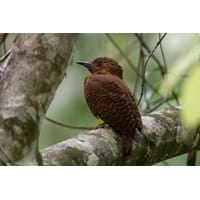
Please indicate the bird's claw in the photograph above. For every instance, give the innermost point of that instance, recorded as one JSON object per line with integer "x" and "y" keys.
{"x": 103, "y": 125}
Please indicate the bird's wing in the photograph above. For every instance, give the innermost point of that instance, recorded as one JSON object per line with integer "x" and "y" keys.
{"x": 136, "y": 114}
{"x": 110, "y": 99}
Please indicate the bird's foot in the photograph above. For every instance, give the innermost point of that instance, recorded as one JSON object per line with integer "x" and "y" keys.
{"x": 103, "y": 125}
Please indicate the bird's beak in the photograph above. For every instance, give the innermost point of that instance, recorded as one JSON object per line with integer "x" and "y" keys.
{"x": 85, "y": 64}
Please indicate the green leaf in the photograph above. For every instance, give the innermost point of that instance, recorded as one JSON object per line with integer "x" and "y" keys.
{"x": 191, "y": 98}
{"x": 178, "y": 69}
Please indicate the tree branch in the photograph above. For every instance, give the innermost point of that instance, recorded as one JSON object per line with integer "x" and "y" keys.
{"x": 163, "y": 137}
{"x": 2, "y": 37}
{"x": 32, "y": 72}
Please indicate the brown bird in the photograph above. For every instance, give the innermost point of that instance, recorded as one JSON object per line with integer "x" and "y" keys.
{"x": 110, "y": 99}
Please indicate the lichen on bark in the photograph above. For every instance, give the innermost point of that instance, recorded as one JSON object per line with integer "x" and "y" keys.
{"x": 163, "y": 136}
{"x": 35, "y": 67}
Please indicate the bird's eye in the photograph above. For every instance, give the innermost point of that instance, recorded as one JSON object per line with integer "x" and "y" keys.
{"x": 98, "y": 62}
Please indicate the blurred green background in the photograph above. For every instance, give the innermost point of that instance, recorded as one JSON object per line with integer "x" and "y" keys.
{"x": 69, "y": 106}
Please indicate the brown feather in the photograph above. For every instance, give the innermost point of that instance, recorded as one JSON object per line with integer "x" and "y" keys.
{"x": 110, "y": 99}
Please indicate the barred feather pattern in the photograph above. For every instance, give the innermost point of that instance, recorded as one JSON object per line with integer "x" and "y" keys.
{"x": 110, "y": 99}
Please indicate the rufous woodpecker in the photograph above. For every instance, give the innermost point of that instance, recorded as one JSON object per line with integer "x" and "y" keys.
{"x": 109, "y": 98}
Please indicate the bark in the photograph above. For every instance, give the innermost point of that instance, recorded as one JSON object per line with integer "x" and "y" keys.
{"x": 2, "y": 45}
{"x": 163, "y": 136}
{"x": 2, "y": 37}
{"x": 31, "y": 75}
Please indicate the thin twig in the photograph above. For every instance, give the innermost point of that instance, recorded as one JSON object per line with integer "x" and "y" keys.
{"x": 5, "y": 55}
{"x": 145, "y": 66}
{"x": 3, "y": 64}
{"x": 153, "y": 51}
{"x": 129, "y": 62}
{"x": 4, "y": 47}
{"x": 165, "y": 69}
{"x": 132, "y": 65}
{"x": 3, "y": 37}
{"x": 157, "y": 106}
{"x": 163, "y": 57}
{"x": 121, "y": 51}
{"x": 148, "y": 49}
{"x": 143, "y": 71}
{"x": 140, "y": 65}
{"x": 68, "y": 126}
{"x": 157, "y": 101}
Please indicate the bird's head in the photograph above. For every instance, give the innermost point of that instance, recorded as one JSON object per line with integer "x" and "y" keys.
{"x": 103, "y": 65}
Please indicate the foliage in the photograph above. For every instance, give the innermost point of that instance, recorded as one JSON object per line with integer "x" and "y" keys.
{"x": 191, "y": 98}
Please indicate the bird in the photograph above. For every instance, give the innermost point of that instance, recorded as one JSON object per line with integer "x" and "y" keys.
{"x": 109, "y": 98}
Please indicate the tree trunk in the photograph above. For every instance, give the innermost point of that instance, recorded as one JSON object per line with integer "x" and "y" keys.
{"x": 31, "y": 74}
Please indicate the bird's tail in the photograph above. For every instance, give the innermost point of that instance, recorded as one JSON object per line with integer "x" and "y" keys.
{"x": 127, "y": 144}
